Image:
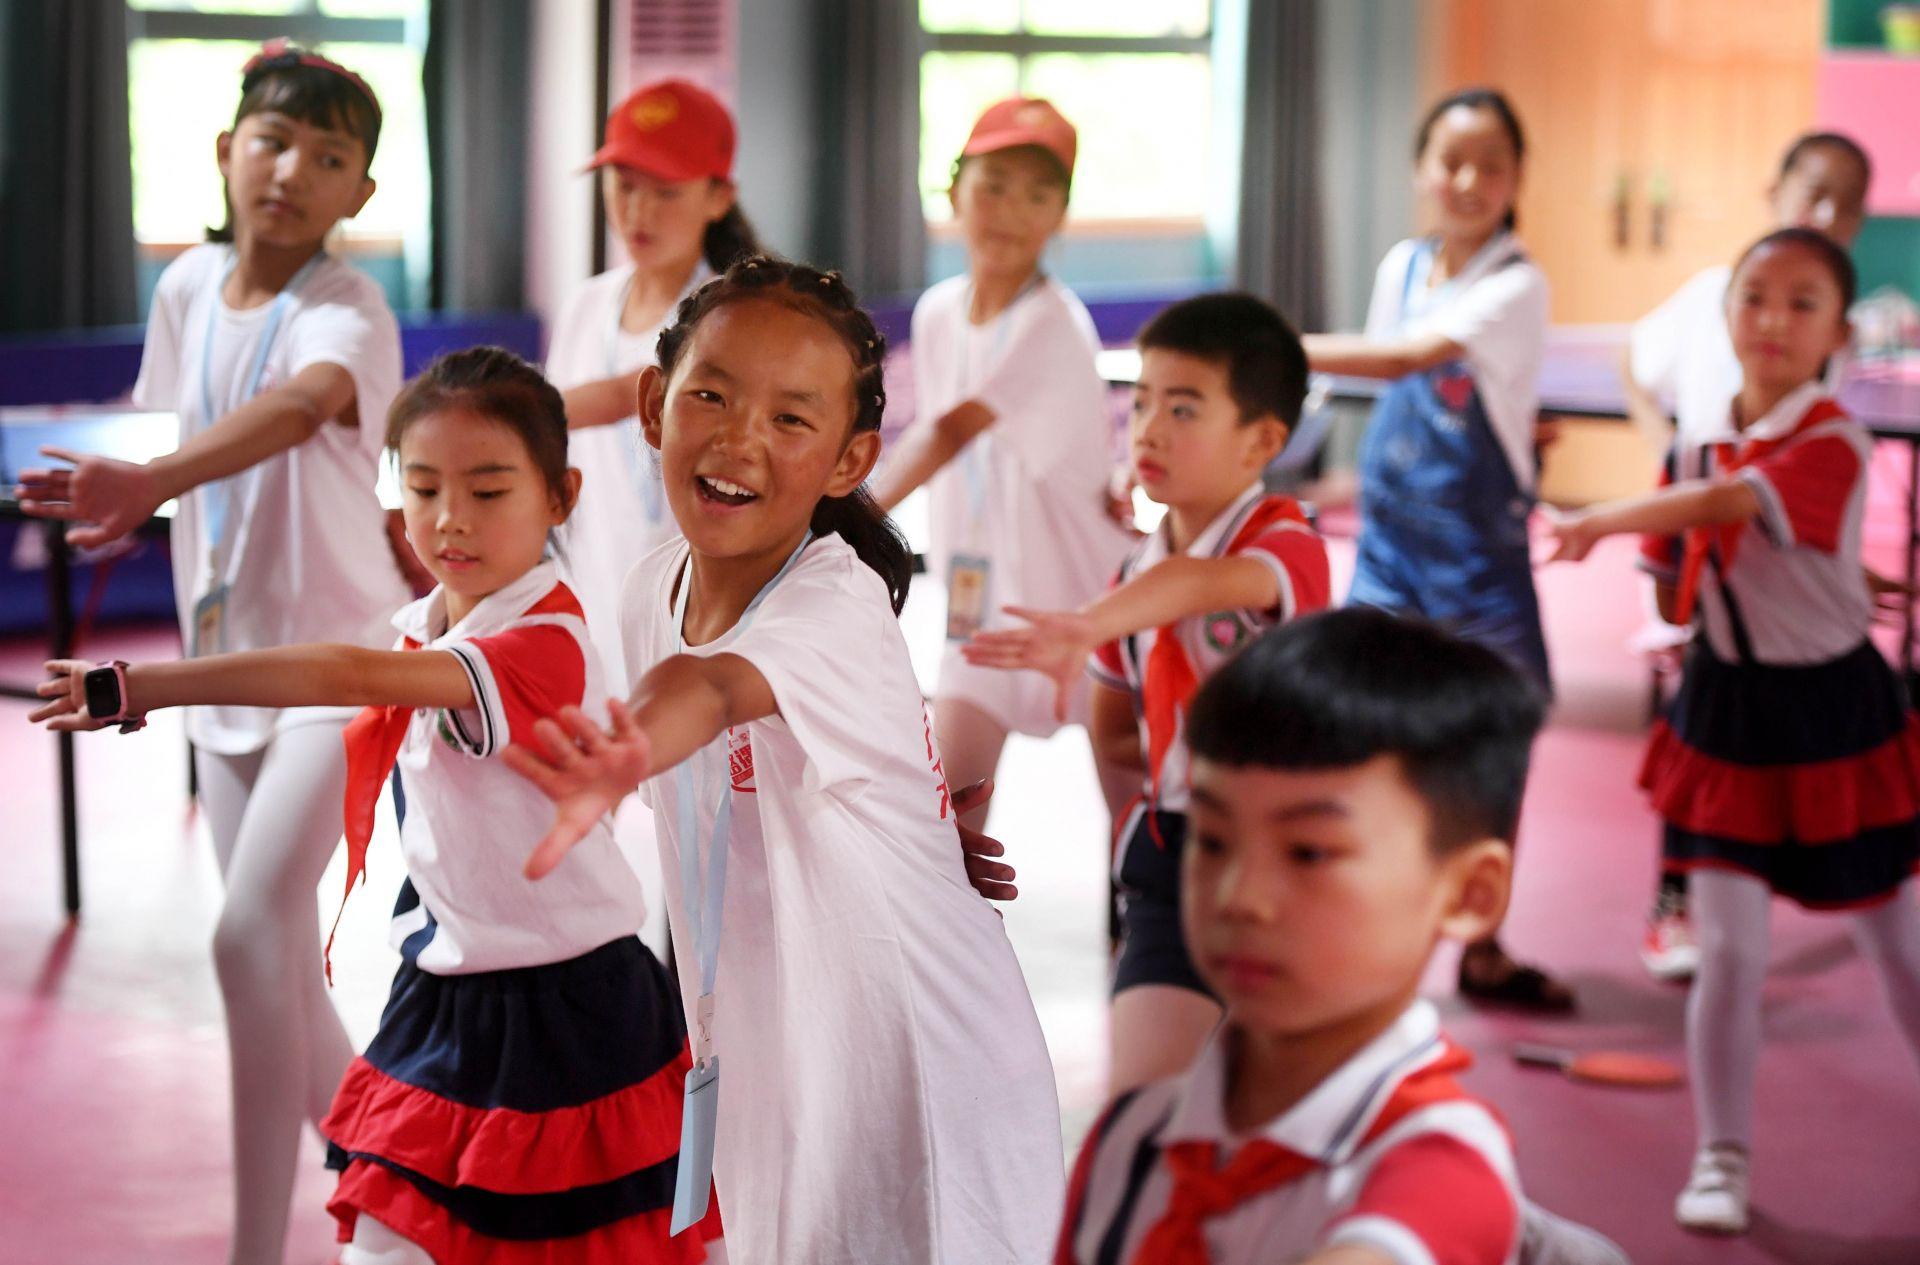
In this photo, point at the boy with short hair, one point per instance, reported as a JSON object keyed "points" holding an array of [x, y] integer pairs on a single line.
{"points": [[1356, 785], [1222, 379]]}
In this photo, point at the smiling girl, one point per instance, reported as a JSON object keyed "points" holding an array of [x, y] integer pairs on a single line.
{"points": [[888, 1096], [1456, 331]]}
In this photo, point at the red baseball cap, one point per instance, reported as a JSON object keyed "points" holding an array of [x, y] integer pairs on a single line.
{"points": [[672, 130], [1024, 121]]}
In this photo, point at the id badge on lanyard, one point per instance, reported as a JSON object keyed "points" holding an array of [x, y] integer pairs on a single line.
{"points": [[220, 498], [703, 893], [970, 570]]}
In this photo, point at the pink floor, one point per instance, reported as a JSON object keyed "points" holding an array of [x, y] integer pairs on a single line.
{"points": [[113, 1073]]}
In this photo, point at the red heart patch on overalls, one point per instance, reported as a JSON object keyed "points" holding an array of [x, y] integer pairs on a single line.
{"points": [[1455, 390]]}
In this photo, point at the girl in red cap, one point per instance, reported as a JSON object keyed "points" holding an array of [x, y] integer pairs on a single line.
{"points": [[665, 179], [1015, 438], [280, 360]]}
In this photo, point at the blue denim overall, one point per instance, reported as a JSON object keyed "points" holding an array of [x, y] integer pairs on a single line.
{"points": [[1443, 521]]}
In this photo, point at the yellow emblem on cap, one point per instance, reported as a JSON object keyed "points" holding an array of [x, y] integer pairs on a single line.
{"points": [[1033, 114], [655, 111]]}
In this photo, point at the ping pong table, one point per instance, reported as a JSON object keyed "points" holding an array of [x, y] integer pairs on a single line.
{"points": [[109, 430]]}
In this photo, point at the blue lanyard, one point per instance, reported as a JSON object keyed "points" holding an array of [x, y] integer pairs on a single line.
{"points": [[217, 498], [974, 462], [645, 481], [702, 895]]}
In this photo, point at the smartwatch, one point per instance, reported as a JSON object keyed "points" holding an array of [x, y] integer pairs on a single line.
{"points": [[105, 688]]}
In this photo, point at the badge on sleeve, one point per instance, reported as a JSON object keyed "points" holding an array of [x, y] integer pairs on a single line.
{"points": [[209, 619], [966, 596]]}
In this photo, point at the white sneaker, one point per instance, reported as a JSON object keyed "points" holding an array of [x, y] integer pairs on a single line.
{"points": [[1669, 950], [1715, 1198]]}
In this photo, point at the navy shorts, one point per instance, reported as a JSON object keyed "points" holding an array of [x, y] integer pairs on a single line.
{"points": [[1152, 948]]}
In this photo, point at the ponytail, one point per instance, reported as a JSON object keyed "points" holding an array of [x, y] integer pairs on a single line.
{"points": [[729, 239], [856, 518]]}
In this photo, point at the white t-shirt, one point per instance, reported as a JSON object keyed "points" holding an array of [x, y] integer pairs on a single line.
{"points": [[1495, 308], [472, 822], [308, 558], [887, 1095], [1029, 493], [1683, 353], [622, 514]]}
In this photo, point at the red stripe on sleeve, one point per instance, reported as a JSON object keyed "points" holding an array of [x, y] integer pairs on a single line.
{"points": [[1303, 556], [1445, 1194], [1814, 480], [538, 669]]}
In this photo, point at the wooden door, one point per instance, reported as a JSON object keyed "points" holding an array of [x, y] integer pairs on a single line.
{"points": [[1654, 128]]}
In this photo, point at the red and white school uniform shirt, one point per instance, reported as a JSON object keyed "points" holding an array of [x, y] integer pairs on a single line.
{"points": [[1794, 569], [1028, 495], [887, 1093], [471, 821], [1269, 528], [306, 547], [1388, 1152]]}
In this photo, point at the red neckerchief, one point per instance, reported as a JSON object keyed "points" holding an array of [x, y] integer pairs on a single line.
{"points": [[1202, 1191], [1727, 458], [373, 741], [1167, 679]]}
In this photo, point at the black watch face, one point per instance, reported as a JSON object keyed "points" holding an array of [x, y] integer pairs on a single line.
{"points": [[103, 693]]}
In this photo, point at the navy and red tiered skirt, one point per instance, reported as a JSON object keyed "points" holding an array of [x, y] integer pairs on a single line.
{"points": [[1807, 778], [521, 1116]]}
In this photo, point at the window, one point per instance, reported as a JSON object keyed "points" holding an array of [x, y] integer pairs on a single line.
{"points": [[183, 73], [1133, 75]]}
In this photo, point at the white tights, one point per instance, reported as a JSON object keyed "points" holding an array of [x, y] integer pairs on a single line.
{"points": [[1723, 1014], [275, 817]]}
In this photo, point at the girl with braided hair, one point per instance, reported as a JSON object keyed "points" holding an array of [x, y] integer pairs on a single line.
{"points": [[888, 1093]]}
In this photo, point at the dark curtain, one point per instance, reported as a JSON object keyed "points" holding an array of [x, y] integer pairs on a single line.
{"points": [[477, 76], [1279, 254], [866, 218], [66, 166]]}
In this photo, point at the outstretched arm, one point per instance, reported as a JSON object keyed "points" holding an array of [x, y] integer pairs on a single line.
{"points": [[286, 676], [680, 705], [114, 497], [601, 403], [925, 449], [1058, 643], [1667, 512], [1357, 356]]}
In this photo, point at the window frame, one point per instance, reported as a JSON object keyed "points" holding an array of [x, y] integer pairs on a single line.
{"points": [[1024, 45]]}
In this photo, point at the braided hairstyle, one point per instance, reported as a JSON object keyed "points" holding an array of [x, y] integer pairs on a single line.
{"points": [[857, 518]]}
